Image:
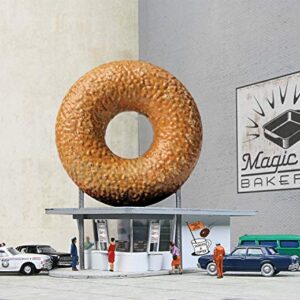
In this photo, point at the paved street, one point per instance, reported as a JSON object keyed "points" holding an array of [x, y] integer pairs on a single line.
{"points": [[169, 287]]}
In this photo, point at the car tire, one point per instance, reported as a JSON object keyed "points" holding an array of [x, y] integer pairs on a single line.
{"points": [[267, 270], [211, 269], [28, 269]]}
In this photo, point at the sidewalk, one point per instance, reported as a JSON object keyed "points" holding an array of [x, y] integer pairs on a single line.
{"points": [[86, 274]]}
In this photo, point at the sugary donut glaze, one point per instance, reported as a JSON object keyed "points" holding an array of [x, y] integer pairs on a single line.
{"points": [[103, 93]]}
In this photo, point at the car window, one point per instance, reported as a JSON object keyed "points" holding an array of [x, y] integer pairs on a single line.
{"points": [[289, 244], [254, 252], [272, 251], [46, 249], [248, 243], [23, 250], [239, 252], [31, 249], [13, 251], [268, 243], [3, 253]]}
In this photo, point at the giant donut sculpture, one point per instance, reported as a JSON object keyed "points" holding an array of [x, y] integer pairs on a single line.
{"points": [[100, 95]]}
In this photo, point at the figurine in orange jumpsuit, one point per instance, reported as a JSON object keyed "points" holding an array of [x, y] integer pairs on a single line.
{"points": [[219, 254]]}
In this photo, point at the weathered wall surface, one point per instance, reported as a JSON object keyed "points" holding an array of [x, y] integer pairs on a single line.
{"points": [[45, 46], [213, 47]]}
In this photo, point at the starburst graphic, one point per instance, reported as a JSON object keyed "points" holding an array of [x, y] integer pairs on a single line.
{"points": [[254, 127]]}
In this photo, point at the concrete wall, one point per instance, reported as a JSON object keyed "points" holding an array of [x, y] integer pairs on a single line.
{"points": [[45, 46], [213, 47]]}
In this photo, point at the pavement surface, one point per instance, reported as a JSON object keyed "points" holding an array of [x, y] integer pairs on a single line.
{"points": [[86, 274], [198, 285]]}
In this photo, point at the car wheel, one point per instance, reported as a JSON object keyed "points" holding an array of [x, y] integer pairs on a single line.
{"points": [[267, 270], [211, 269], [28, 269]]}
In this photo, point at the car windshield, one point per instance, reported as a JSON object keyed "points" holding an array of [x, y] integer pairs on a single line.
{"points": [[13, 251], [272, 251], [46, 249]]}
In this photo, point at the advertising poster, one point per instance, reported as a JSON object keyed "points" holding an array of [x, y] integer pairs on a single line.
{"points": [[268, 135]]}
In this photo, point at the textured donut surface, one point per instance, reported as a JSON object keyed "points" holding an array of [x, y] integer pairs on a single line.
{"points": [[91, 104]]}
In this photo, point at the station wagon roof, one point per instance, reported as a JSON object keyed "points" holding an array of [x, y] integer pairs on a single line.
{"points": [[252, 246], [268, 237]]}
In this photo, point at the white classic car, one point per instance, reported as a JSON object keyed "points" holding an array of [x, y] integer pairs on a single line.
{"points": [[11, 260]]}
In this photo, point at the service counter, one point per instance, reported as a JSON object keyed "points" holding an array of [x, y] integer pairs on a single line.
{"points": [[128, 262]]}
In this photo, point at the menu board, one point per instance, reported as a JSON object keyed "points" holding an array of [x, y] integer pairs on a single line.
{"points": [[154, 232], [102, 231], [122, 246], [140, 246]]}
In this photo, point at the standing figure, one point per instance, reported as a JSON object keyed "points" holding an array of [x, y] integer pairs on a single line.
{"points": [[176, 260], [111, 254], [88, 244], [219, 254], [74, 254]]}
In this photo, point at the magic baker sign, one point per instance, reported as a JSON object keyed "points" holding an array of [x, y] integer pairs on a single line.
{"points": [[268, 135]]}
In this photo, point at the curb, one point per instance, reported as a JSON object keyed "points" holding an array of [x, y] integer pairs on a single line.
{"points": [[56, 274]]}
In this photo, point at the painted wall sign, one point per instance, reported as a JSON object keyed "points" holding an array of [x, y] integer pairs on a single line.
{"points": [[201, 245], [268, 135]]}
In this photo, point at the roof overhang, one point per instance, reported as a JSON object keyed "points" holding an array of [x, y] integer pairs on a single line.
{"points": [[143, 212]]}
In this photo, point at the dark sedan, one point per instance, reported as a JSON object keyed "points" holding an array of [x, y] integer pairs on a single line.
{"points": [[59, 259], [252, 259]]}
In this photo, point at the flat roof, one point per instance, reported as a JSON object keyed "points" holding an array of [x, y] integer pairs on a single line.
{"points": [[143, 212]]}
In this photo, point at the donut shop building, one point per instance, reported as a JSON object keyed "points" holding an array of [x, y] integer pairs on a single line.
{"points": [[143, 234]]}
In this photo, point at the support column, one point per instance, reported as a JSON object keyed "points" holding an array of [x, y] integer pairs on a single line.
{"points": [[81, 232], [179, 225]]}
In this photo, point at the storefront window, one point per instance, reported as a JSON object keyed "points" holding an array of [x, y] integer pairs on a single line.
{"points": [[140, 235], [165, 235], [120, 230]]}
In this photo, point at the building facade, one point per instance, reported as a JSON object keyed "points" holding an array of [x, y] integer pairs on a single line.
{"points": [[213, 47]]}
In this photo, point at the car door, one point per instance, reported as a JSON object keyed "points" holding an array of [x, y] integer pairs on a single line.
{"points": [[236, 260], [254, 259], [6, 262]]}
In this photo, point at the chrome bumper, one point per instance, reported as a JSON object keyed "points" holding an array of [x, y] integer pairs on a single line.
{"points": [[47, 266], [64, 263], [294, 267]]}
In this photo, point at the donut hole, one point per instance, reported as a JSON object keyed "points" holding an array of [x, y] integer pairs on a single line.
{"points": [[129, 135]]}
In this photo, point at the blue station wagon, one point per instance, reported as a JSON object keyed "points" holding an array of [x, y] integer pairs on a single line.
{"points": [[252, 259]]}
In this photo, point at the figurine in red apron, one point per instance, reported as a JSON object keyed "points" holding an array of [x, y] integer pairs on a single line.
{"points": [[111, 254]]}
